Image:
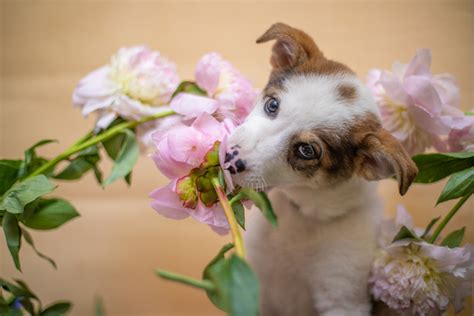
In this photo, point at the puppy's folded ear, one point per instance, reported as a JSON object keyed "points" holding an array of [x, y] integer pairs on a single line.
{"points": [[293, 46], [381, 156]]}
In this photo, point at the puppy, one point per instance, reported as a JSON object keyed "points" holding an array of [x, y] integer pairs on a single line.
{"points": [[314, 139]]}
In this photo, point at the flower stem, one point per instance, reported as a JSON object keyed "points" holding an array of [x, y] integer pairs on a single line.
{"points": [[447, 218], [85, 142], [229, 213], [201, 284]]}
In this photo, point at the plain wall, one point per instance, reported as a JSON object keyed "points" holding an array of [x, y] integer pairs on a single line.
{"points": [[113, 248]]}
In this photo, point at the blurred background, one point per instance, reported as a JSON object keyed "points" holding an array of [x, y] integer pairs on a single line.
{"points": [[113, 248]]}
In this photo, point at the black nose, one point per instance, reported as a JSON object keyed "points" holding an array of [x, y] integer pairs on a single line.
{"points": [[240, 165]]}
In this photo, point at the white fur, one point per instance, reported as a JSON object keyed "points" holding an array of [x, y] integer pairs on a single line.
{"points": [[317, 261]]}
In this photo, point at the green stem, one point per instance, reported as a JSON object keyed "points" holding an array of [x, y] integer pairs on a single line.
{"points": [[229, 213], [447, 218], [201, 284], [84, 142]]}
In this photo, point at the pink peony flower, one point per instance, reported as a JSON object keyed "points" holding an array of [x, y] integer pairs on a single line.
{"points": [[135, 83], [230, 95], [418, 108], [418, 278], [189, 156]]}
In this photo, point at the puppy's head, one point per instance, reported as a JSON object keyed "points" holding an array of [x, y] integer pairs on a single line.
{"points": [[314, 123]]}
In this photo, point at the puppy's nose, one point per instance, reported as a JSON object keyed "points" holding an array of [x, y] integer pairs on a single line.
{"points": [[234, 163], [240, 165]]}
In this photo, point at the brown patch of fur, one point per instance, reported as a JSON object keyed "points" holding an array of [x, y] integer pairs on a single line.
{"points": [[307, 167], [381, 156], [295, 52], [347, 92], [339, 148]]}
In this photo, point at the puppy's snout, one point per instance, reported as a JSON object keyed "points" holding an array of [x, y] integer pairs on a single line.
{"points": [[235, 164]]}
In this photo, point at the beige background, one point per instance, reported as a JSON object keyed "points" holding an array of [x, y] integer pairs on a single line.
{"points": [[112, 249]]}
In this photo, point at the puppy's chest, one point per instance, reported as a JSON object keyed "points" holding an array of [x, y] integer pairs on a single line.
{"points": [[296, 240]]}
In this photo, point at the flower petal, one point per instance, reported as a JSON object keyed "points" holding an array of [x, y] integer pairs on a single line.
{"points": [[208, 71], [394, 88], [420, 64], [191, 105], [423, 93], [167, 165], [167, 203]]}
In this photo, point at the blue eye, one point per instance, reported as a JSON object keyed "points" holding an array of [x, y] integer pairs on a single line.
{"points": [[271, 106]]}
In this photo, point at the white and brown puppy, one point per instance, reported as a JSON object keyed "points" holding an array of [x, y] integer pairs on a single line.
{"points": [[316, 140]]}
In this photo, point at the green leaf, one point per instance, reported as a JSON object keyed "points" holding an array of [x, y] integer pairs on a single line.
{"points": [[260, 199], [27, 292], [429, 227], [83, 162], [244, 288], [189, 87], [128, 178], [16, 290], [239, 212], [8, 174], [50, 213], [460, 184], [97, 174], [22, 193], [29, 240], [113, 145], [434, 167], [405, 233], [56, 309], [454, 239], [212, 272], [32, 161], [236, 286], [126, 158], [13, 237]]}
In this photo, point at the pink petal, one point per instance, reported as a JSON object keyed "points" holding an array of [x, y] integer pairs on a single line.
{"points": [[394, 88], [213, 216], [105, 119], [96, 85], [186, 144], [96, 104], [428, 122], [208, 125], [191, 105], [457, 122], [420, 64], [208, 72], [447, 88], [167, 165], [167, 203], [423, 93]]}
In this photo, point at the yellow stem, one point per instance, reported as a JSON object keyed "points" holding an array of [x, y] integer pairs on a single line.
{"points": [[229, 213]]}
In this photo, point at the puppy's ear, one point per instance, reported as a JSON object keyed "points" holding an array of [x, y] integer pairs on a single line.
{"points": [[381, 156], [293, 46]]}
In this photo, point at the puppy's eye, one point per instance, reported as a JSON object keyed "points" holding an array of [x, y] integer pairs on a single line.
{"points": [[271, 106], [308, 151]]}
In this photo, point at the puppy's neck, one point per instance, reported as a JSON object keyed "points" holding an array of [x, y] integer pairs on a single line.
{"points": [[331, 202]]}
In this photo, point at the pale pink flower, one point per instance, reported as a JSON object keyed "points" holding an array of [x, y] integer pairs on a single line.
{"points": [[418, 108], [180, 150], [418, 278], [137, 82], [229, 94], [462, 139]]}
